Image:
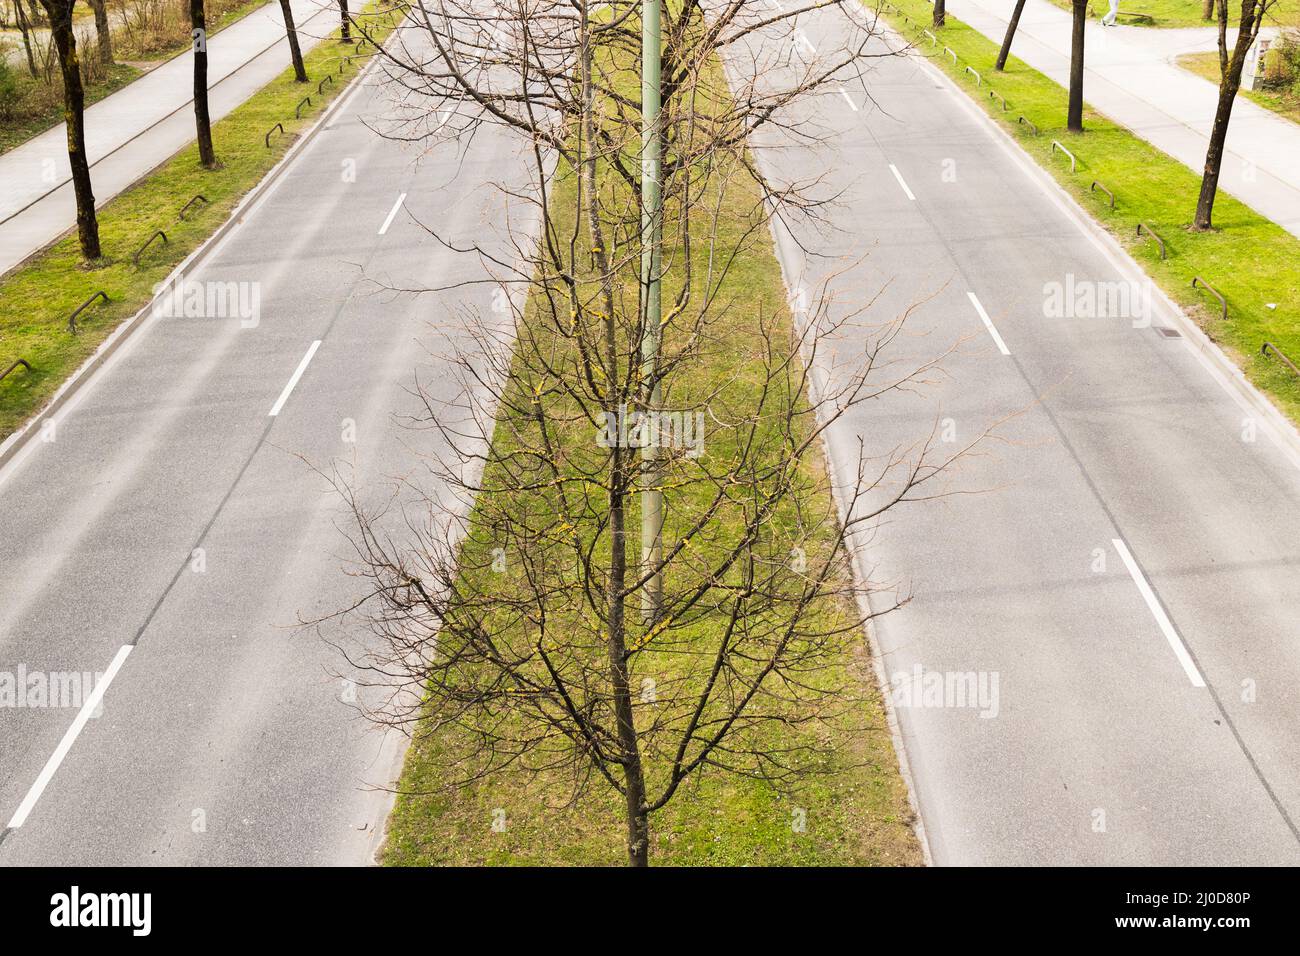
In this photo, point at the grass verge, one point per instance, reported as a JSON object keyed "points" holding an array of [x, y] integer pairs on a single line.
{"points": [[857, 813], [1181, 13], [1252, 261], [39, 295]]}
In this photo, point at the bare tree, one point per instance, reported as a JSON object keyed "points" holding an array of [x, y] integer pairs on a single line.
{"points": [[509, 635], [1251, 18], [1074, 119], [1014, 22], [59, 13], [295, 52], [939, 13], [202, 121]]}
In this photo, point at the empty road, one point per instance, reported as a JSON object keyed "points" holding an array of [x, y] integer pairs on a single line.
{"points": [[173, 532], [1119, 565]]}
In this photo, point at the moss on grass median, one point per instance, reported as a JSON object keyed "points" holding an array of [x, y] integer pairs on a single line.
{"points": [[39, 295], [1251, 260]]}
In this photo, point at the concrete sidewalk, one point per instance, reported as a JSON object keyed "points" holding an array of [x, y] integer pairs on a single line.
{"points": [[141, 125], [1131, 78]]}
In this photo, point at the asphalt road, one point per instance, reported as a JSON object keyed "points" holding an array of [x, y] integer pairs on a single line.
{"points": [[225, 735], [1127, 727]]}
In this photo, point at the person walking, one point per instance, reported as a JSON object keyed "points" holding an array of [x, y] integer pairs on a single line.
{"points": [[1109, 18]]}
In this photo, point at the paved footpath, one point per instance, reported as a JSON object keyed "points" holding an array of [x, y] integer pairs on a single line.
{"points": [[141, 125], [1132, 79]]}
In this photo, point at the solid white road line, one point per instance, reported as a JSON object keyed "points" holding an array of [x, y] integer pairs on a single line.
{"points": [[297, 374], [988, 324], [391, 213], [899, 176], [61, 751], [854, 106], [1166, 625]]}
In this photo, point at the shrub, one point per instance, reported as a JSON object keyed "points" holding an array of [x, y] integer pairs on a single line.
{"points": [[9, 89], [1282, 70]]}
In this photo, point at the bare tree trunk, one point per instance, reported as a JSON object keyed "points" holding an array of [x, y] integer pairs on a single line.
{"points": [[1011, 33], [638, 824], [939, 13], [74, 109], [1230, 69], [299, 70], [202, 121], [102, 32], [1207, 10], [347, 21], [25, 29], [1074, 120], [620, 484]]}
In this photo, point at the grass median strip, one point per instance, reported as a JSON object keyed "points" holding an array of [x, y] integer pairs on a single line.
{"points": [[858, 814], [1251, 260], [39, 295], [854, 809]]}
